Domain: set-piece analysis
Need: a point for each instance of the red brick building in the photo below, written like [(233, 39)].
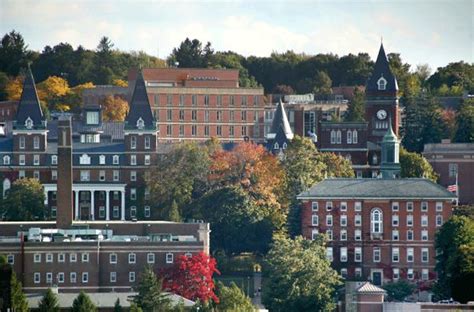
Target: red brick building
[(196, 104)]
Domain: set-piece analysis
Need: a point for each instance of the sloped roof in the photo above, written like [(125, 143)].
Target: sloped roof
[(369, 288), (29, 106), (382, 69), (406, 188), (140, 107), (280, 120)]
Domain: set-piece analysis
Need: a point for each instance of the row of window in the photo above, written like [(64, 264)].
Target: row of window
[(343, 235), (219, 115), (376, 220), (351, 137), (36, 142), (73, 257), (206, 100), (377, 254), (133, 142), (84, 175), (410, 273), (60, 277), (343, 206), (194, 130)]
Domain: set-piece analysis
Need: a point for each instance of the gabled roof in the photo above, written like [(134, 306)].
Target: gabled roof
[(29, 106), (382, 69), (140, 107), (280, 121), (405, 188), (369, 288)]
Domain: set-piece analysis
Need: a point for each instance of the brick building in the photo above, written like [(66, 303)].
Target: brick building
[(450, 160), (379, 229), (196, 104)]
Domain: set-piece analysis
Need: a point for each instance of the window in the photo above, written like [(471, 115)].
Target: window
[(84, 159), (22, 142), (343, 235), (49, 277), (169, 99), (36, 174), (424, 255), (169, 114), (343, 272), (314, 206), (244, 133), (113, 277), (409, 206), (231, 100), (395, 235), (358, 206), (61, 257), (218, 115), (11, 259), (424, 220), (36, 142), (113, 258), (231, 130), (85, 277), (22, 160), (37, 277), (206, 130), (329, 220), (92, 118), (49, 257), (358, 254), (181, 114), (116, 175), (395, 206), (133, 211), (410, 235), (424, 206), (439, 220), (101, 160), (85, 175), (115, 212), (333, 137), (349, 137), (61, 277), (424, 274), (102, 175), (150, 258), (314, 233), (424, 235), (85, 257), (376, 220), (181, 100), (358, 220), (219, 100), (409, 220), (133, 175), (133, 160), (343, 255), (132, 258), (354, 137), (329, 205), (276, 146), (6, 160), (72, 277), (357, 235), (439, 206), (147, 142), (219, 130), (131, 277), (329, 253), (396, 274), (169, 257), (101, 212), (410, 254), (395, 220), (395, 254), (147, 160), (338, 136), (231, 115), (343, 220), (329, 234), (147, 211), (410, 274), (358, 272), (255, 100), (73, 257), (343, 206), (115, 159), (21, 174), (206, 115), (453, 170), (315, 220), (169, 130), (194, 100), (244, 101), (243, 115), (382, 83)]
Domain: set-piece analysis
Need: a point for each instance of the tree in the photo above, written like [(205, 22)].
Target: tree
[(336, 166), (117, 306), (135, 308), (49, 302), (5, 283), (191, 277), (190, 53), (13, 88), (13, 53), (18, 298), (25, 201), (465, 122), (120, 83), (398, 291), (465, 210), (83, 303), (356, 107), (457, 73), (283, 89), (455, 259), (105, 62), (414, 165), (173, 214), (114, 108), (299, 277), (150, 296), (400, 70), (233, 299), (322, 84)]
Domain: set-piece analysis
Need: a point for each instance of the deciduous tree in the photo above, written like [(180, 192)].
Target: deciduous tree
[(25, 201), (114, 108), (398, 291), (233, 299), (465, 122), (414, 165)]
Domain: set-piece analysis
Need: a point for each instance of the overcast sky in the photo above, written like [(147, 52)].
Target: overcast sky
[(434, 32)]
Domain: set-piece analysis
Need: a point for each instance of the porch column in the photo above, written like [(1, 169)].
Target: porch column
[(76, 205), (122, 203), (92, 205), (107, 206)]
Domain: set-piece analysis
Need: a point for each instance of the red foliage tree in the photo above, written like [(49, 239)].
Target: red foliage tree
[(191, 277)]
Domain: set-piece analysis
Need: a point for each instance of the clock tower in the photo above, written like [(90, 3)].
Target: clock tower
[(381, 100)]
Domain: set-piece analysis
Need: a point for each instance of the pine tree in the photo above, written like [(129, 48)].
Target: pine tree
[(83, 304), (117, 306), (173, 213), (356, 107), (150, 296), (18, 298), (49, 303)]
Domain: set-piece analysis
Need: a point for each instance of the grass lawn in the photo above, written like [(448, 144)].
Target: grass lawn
[(244, 283)]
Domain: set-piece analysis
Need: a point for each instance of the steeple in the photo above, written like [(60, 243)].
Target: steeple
[(280, 121), (390, 165), (382, 81), (140, 115), (29, 114)]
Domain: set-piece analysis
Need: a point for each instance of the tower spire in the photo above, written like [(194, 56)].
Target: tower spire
[(140, 115), (29, 114)]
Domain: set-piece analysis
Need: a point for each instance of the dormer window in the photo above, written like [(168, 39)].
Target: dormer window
[(6, 160), (276, 146), (92, 118), (101, 160), (29, 123), (85, 160), (382, 83), (140, 123)]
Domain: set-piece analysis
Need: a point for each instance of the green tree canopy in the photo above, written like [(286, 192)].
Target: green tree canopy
[(49, 302), (398, 291), (13, 53), (25, 201), (83, 303), (18, 298), (299, 277), (414, 165), (465, 122), (233, 299), (191, 53), (356, 107), (150, 296), (117, 306)]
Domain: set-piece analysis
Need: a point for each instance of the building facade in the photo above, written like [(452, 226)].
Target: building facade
[(197, 104)]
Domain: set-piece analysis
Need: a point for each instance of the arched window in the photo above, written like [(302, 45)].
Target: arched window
[(333, 137), (6, 186), (84, 159), (382, 83), (349, 137), (354, 136), (102, 160), (376, 221), (115, 159), (28, 123), (36, 142), (285, 145), (276, 146), (140, 123), (6, 160), (338, 137)]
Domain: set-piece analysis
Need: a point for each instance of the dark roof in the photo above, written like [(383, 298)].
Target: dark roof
[(112, 129), (280, 121), (29, 105), (140, 107), (382, 69), (377, 188)]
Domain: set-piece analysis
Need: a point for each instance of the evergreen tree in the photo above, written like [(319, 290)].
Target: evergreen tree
[(13, 53), (233, 299), (173, 213), (117, 306), (5, 277), (150, 296), (356, 107), (135, 308), (18, 298), (83, 303), (49, 303), (465, 122)]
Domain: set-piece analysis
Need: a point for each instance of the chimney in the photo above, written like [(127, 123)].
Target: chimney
[(64, 183)]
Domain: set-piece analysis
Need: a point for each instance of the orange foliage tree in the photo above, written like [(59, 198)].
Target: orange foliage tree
[(114, 108)]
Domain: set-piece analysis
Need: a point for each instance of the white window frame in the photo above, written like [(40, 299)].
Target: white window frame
[(424, 220), (343, 206), (132, 258), (169, 258), (150, 258), (37, 277), (343, 220), (396, 274), (131, 277), (73, 257), (329, 206), (22, 160), (85, 257), (424, 235), (439, 220), (395, 206), (147, 142), (425, 274), (113, 277), (376, 254), (425, 251), (408, 235), (343, 254), (358, 206), (395, 220), (314, 220), (85, 277), (358, 254), (133, 160), (49, 277), (329, 220), (314, 206), (357, 235), (358, 220), (113, 258), (329, 233), (116, 159), (410, 220), (73, 277), (376, 224), (409, 206), (102, 160), (343, 235), (37, 258), (395, 254), (60, 277), (395, 235), (329, 254), (11, 259), (147, 212), (49, 258), (439, 206), (410, 274), (147, 160), (133, 142), (61, 257), (410, 254)]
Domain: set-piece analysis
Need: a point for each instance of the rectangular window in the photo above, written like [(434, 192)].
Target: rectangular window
[(37, 277), (36, 174), (133, 211), (343, 272), (181, 115), (453, 170), (358, 206), (72, 277), (244, 130), (218, 115), (22, 160), (395, 254), (54, 175), (113, 277), (343, 220), (410, 235), (395, 235), (255, 100), (169, 99), (424, 255), (133, 175), (395, 206), (131, 277), (424, 274), (231, 131), (102, 175), (116, 175), (231, 115), (244, 100), (396, 274), (150, 258), (169, 257), (424, 235), (439, 220), (49, 277), (133, 142), (424, 206), (115, 159), (181, 100), (206, 100), (358, 254), (133, 194), (343, 235), (315, 220), (231, 100), (314, 206), (219, 100), (329, 205), (54, 160), (115, 212), (358, 272), (358, 220), (424, 220), (85, 277), (243, 115), (169, 115), (314, 233), (61, 277), (329, 234), (85, 257), (11, 259), (156, 99), (147, 160), (101, 212), (85, 175), (147, 142), (409, 206), (395, 220), (73, 257), (92, 118), (343, 255), (343, 206), (409, 220), (206, 130), (61, 257), (22, 142), (439, 206), (219, 130), (206, 115), (329, 220), (49, 258), (410, 274), (181, 130), (194, 100), (113, 258), (169, 130), (133, 160), (147, 211), (410, 254), (357, 235), (132, 258)]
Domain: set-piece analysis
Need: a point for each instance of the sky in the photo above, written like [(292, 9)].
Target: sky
[(435, 32)]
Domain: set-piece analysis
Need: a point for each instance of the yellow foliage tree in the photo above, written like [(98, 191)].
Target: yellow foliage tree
[(79, 88), (120, 83), (14, 88), (53, 87), (114, 108)]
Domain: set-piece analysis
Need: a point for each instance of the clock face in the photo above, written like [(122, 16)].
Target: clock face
[(381, 114)]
